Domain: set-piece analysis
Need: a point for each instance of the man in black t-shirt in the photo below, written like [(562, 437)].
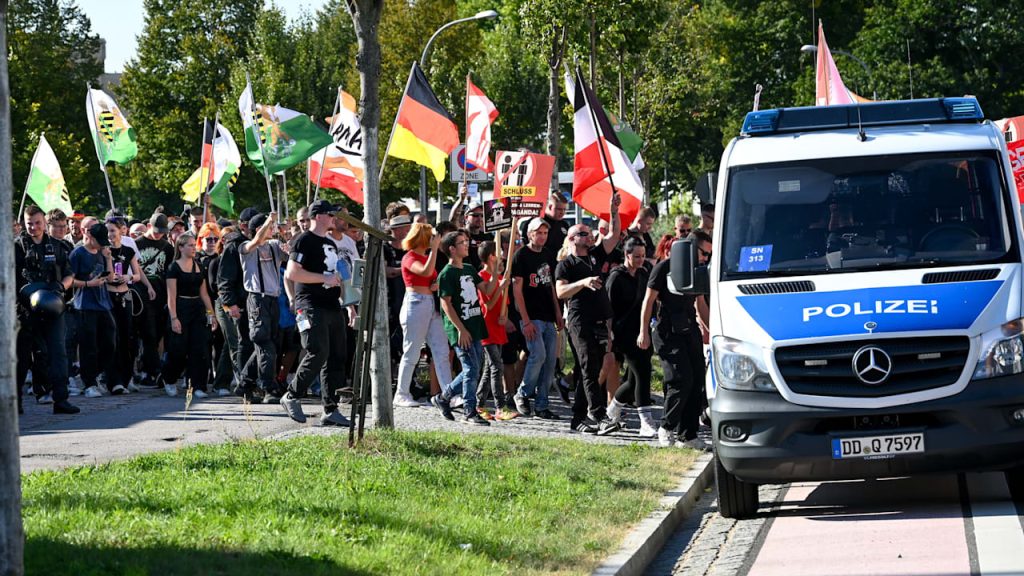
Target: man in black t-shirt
[(554, 217), (313, 267), (678, 343), (155, 255), (579, 281), (533, 289), (641, 228), (475, 227)]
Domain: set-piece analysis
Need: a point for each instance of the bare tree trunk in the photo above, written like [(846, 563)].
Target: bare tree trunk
[(12, 536), (366, 19), (553, 142)]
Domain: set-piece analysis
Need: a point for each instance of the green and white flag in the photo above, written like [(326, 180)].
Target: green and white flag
[(287, 137), (631, 141), (113, 136), (46, 182), (226, 164)]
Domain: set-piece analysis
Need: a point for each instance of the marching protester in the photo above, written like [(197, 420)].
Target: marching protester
[(578, 280), (92, 268), (313, 268), (42, 275), (155, 255), (232, 296), (421, 322), (495, 318), (261, 259), (191, 319), (125, 271)]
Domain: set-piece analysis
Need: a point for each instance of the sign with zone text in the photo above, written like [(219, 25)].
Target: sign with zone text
[(462, 167), (524, 175)]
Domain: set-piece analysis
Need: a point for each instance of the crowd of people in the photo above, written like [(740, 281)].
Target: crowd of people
[(264, 310)]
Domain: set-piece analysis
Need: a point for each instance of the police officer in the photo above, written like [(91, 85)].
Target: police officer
[(43, 274)]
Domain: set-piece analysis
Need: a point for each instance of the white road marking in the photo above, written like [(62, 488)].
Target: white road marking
[(997, 529)]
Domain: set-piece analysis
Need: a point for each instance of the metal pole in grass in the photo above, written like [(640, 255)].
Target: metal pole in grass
[(12, 536)]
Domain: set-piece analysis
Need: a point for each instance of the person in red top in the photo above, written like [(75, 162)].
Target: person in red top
[(421, 322), (495, 307)]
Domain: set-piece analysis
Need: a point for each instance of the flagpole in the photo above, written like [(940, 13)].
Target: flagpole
[(284, 193), (309, 186), (380, 176), (323, 160), (213, 165), (202, 145), (96, 142), (259, 139), (465, 150), (597, 130), (29, 179)]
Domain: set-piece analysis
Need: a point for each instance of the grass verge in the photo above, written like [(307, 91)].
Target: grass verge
[(401, 503)]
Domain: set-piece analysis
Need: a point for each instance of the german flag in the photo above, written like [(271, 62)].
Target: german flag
[(424, 132)]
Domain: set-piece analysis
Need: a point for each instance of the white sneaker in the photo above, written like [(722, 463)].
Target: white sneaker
[(171, 389), (646, 431), (694, 444), (93, 392), (104, 389), (74, 391), (133, 387), (118, 390), (199, 394), (76, 381), (456, 401), (223, 392), (45, 399), (406, 401), (181, 384), (665, 438)]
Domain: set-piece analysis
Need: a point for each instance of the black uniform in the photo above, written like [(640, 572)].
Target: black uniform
[(154, 257), (231, 292)]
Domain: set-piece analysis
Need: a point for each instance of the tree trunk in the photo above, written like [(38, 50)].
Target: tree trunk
[(552, 143), (12, 536), (366, 19)]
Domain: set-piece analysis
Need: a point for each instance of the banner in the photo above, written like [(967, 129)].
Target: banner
[(523, 175)]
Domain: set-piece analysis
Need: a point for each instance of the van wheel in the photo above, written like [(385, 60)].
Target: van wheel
[(736, 498)]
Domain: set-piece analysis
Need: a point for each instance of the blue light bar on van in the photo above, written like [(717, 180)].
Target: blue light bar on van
[(811, 118)]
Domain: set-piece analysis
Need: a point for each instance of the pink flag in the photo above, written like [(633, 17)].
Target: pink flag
[(480, 114), (830, 87)]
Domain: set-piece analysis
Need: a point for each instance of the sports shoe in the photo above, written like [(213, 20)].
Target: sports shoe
[(181, 384), (118, 390), (272, 397), (522, 405), (665, 438), (65, 407), (334, 418), (45, 399), (547, 415), (93, 392), (74, 391), (132, 386), (476, 419), (170, 389), (608, 426), (694, 444), (104, 389), (293, 408), (485, 414), (582, 427), (199, 394), (505, 414), (223, 392), (76, 382), (406, 401), (457, 401), (442, 406)]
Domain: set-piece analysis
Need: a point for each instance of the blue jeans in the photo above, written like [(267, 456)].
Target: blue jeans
[(465, 383), (540, 366)]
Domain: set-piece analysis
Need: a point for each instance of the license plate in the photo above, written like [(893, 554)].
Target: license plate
[(876, 446)]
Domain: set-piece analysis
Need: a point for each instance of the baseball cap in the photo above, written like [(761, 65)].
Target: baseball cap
[(159, 222), (536, 223), (474, 205), (99, 233), (247, 214), (323, 207), (256, 221)]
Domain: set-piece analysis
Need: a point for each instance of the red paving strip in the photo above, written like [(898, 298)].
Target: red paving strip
[(895, 527)]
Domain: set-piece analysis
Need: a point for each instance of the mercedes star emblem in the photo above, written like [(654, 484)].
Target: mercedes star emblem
[(870, 326), (872, 365)]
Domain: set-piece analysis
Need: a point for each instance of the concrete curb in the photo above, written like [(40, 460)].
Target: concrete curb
[(647, 538)]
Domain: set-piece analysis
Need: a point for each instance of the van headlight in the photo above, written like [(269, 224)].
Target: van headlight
[(740, 365), (1002, 351)]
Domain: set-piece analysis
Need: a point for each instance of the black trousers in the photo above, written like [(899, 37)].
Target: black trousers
[(264, 332), (590, 343), (152, 326), (41, 347), (324, 344), (189, 352), (123, 360), (636, 385), (97, 335), (682, 361)]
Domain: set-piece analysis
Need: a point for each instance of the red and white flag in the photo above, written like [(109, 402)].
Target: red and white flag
[(829, 85), (342, 160), (592, 182), (480, 114)]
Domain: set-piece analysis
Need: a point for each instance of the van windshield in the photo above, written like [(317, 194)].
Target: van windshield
[(865, 213)]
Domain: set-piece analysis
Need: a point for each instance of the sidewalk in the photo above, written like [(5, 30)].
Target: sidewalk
[(118, 427)]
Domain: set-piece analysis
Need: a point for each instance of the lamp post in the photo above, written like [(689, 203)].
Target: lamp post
[(813, 49), (484, 15)]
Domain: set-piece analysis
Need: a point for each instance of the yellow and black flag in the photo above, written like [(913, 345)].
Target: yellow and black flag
[(424, 132), (200, 180)]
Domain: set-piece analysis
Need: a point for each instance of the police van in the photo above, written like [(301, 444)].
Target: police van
[(866, 291)]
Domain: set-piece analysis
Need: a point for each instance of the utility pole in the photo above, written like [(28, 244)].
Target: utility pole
[(12, 535)]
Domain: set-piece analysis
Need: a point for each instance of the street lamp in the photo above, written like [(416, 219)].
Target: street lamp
[(484, 15), (813, 49)]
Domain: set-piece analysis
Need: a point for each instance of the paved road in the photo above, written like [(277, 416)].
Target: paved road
[(117, 427), (925, 526)]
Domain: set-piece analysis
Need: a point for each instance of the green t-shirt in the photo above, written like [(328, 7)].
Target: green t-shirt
[(460, 285)]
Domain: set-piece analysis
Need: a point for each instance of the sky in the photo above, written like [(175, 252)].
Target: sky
[(119, 22)]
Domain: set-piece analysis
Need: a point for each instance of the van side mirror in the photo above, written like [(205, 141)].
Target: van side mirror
[(684, 275)]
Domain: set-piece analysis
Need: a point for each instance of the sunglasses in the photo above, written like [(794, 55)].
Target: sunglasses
[(303, 219), (706, 253), (582, 234), (684, 230)]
